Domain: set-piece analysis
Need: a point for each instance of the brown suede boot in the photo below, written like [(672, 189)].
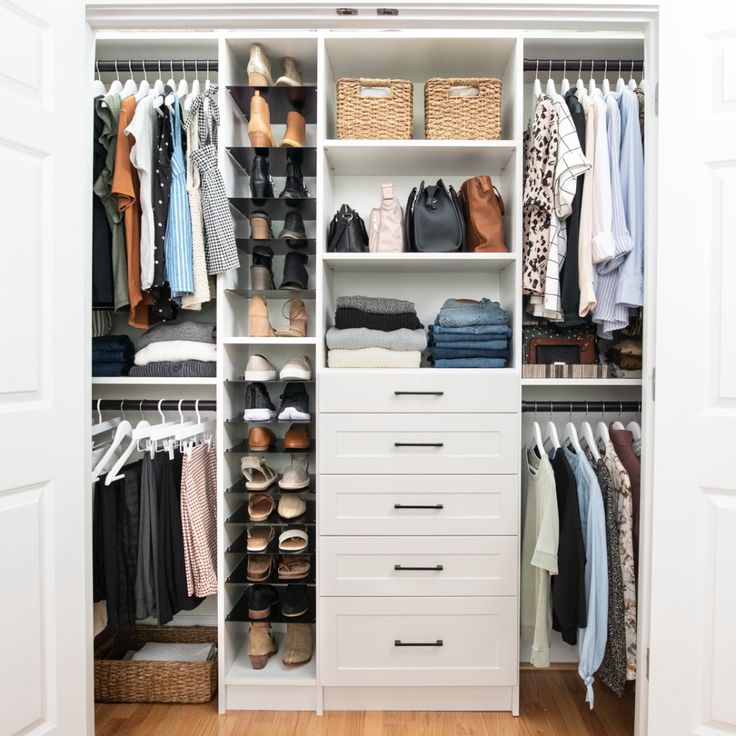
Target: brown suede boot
[(258, 322), (295, 134), (261, 645), (259, 123), (299, 644)]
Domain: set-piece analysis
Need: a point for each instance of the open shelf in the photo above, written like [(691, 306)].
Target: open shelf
[(305, 294), (239, 577), (307, 493), (276, 207), (278, 157), (239, 611), (274, 381), (409, 261), (279, 247), (265, 341), (306, 519), (275, 673), (281, 101), (573, 382), (242, 449), (152, 381), (239, 546)]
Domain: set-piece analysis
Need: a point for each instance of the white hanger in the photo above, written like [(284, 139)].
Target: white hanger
[(551, 90), (570, 437), (601, 429), (101, 426), (635, 430), (580, 85), (170, 81), (117, 86), (193, 429), (591, 83), (195, 89), (632, 81), (605, 86), (587, 438), (620, 83), (164, 430), (550, 432), (183, 89), (537, 88), (618, 424), (535, 438), (130, 87), (144, 87), (565, 86), (124, 429), (158, 85), (98, 87)]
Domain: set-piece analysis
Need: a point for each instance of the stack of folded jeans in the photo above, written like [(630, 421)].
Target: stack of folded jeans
[(372, 332), (177, 350), (470, 334), (112, 355)]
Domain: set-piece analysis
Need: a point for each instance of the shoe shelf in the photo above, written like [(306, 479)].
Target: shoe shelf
[(258, 422), (239, 576), (305, 294), (239, 611), (306, 493), (275, 673), (240, 517), (240, 545), (277, 156), (240, 381), (418, 262), (266, 341), (281, 101), (278, 447), (279, 246), (276, 207)]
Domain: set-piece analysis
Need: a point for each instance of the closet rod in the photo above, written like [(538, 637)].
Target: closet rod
[(152, 65), (586, 407), (153, 404), (572, 66)]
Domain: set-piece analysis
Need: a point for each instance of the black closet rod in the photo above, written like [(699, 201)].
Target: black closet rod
[(586, 65), (152, 65), (544, 407), (153, 404)]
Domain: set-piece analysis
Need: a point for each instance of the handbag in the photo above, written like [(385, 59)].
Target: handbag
[(386, 224), (347, 232), (484, 211), (434, 219)]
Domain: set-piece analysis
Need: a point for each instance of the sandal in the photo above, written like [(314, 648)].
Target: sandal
[(252, 466), (293, 540), (291, 507), (260, 506), (259, 568), (259, 538), (294, 568), (294, 477)]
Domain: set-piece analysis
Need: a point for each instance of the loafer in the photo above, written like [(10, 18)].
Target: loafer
[(259, 368), (297, 437), (296, 368), (260, 439), (294, 602), (261, 599)]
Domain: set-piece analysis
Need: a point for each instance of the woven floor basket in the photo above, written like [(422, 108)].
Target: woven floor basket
[(463, 118), (375, 118), (120, 680)]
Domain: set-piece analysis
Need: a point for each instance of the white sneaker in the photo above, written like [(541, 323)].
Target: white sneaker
[(259, 368), (297, 368)]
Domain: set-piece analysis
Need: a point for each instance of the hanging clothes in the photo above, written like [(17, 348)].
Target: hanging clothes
[(102, 289), (623, 443)]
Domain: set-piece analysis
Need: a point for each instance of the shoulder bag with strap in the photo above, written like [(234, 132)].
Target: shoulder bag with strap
[(386, 224)]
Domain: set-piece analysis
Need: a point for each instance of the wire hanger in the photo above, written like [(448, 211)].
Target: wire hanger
[(537, 88), (565, 86), (144, 88), (130, 87), (117, 86), (551, 91), (98, 86), (620, 83), (605, 86)]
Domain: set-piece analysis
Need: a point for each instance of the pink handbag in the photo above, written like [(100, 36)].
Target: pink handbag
[(386, 224)]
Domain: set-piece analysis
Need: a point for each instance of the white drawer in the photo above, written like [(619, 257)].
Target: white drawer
[(381, 504), (421, 390), (419, 443), (418, 566), (456, 641)]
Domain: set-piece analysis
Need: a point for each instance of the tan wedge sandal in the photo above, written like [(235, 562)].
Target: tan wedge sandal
[(297, 320), (258, 323), (259, 123)]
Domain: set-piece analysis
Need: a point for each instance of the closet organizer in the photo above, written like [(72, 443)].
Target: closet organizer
[(415, 480)]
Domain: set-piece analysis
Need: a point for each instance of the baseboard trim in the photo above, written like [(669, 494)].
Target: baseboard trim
[(554, 666)]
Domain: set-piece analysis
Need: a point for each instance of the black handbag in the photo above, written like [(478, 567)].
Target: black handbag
[(434, 221), (347, 233)]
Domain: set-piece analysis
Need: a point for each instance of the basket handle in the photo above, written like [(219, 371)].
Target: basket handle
[(376, 83)]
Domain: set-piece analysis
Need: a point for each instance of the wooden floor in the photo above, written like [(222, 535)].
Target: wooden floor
[(552, 704)]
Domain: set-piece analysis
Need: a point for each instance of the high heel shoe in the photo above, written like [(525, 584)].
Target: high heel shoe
[(297, 320), (259, 123), (258, 322), (259, 68)]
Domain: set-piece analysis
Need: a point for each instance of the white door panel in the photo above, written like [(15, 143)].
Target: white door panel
[(45, 188), (692, 680)]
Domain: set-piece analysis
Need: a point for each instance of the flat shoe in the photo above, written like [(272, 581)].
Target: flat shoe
[(294, 478), (259, 538), (297, 438), (291, 507), (294, 567), (260, 506), (293, 540), (260, 439), (259, 568)]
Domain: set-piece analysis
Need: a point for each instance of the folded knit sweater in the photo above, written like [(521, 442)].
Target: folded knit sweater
[(375, 304), (176, 350), (175, 369), (346, 318), (361, 337), (374, 358), (186, 330)]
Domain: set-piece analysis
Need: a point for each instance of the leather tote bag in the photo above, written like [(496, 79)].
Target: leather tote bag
[(484, 213), (386, 224), (347, 232), (434, 219)]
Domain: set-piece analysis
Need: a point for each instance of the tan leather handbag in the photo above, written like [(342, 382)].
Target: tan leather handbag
[(484, 213)]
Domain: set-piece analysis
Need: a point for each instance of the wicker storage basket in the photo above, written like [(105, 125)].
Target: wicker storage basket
[(448, 116), (375, 118), (120, 680)]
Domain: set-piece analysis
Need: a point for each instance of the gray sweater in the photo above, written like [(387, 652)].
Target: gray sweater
[(361, 337), (375, 304)]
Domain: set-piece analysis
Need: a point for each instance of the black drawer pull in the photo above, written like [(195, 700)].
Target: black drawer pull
[(399, 643), (437, 506), (419, 444), (419, 393), (434, 568)]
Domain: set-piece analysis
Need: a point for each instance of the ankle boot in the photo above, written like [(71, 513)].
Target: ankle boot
[(258, 322), (260, 226), (295, 133), (294, 187), (297, 320), (290, 76), (293, 229), (261, 644), (261, 184), (295, 272), (259, 123), (261, 273), (259, 68)]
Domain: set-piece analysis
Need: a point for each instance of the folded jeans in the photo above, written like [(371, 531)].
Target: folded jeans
[(470, 363), (463, 312), (440, 352), (470, 344), (474, 330)]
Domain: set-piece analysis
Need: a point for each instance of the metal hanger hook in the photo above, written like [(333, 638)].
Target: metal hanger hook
[(117, 73), (550, 69), (605, 68), (564, 68), (122, 410), (619, 67), (196, 408), (196, 70), (208, 69), (171, 66), (586, 410), (97, 66), (181, 416), (99, 411), (183, 70), (592, 67), (632, 69), (159, 68), (580, 69), (163, 418), (130, 67), (140, 408), (143, 63)]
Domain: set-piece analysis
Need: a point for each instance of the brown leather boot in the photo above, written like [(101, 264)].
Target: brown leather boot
[(297, 320), (295, 134), (259, 123), (258, 322), (261, 645)]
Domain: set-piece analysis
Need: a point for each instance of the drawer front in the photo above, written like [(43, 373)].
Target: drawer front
[(418, 566), (419, 504), (419, 443), (419, 641), (419, 391)]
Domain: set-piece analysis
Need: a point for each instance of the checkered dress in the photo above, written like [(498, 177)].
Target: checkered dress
[(221, 250)]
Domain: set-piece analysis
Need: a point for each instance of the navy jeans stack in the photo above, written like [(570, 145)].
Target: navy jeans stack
[(112, 355)]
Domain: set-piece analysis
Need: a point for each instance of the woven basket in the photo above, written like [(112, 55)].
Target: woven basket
[(375, 118), (463, 118), (120, 680)]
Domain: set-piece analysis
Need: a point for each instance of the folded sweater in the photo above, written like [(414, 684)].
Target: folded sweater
[(172, 369), (176, 350), (362, 337), (188, 330), (374, 358), (347, 318), (375, 304)]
